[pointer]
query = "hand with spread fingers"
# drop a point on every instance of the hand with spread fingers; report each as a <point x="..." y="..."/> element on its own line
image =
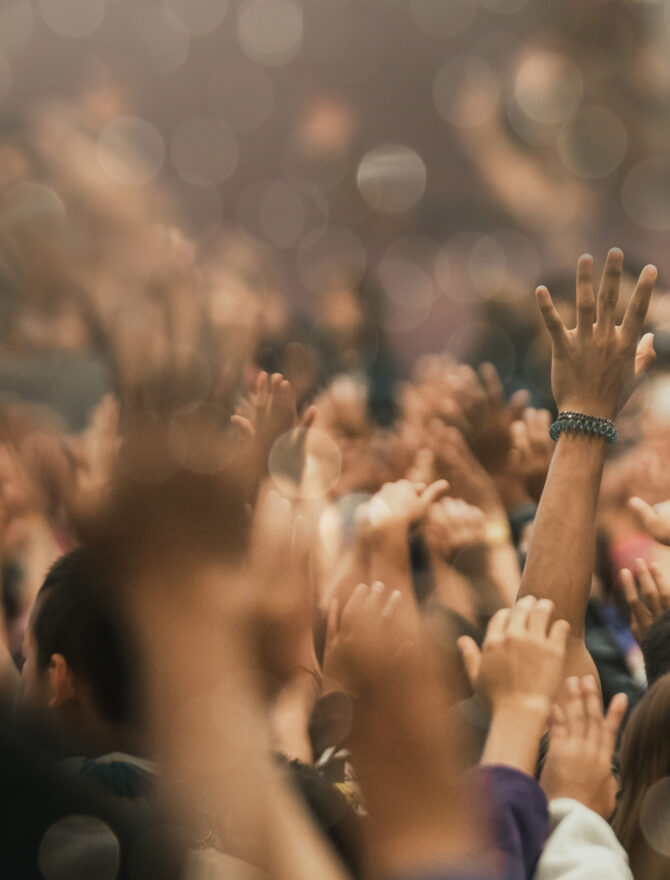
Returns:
<point x="647" y="592"/>
<point x="594" y="366"/>
<point x="532" y="449"/>
<point x="582" y="741"/>
<point x="396" y="507"/>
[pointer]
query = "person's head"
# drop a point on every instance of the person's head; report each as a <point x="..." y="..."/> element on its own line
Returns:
<point x="656" y="648"/>
<point x="644" y="761"/>
<point x="77" y="658"/>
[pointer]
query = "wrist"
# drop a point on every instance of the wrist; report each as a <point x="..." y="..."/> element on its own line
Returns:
<point x="596" y="408"/>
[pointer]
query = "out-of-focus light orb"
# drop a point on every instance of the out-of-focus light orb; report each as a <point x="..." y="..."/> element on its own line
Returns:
<point x="391" y="178"/>
<point x="305" y="468"/>
<point x="79" y="848"/>
<point x="163" y="46"/>
<point x="73" y="18"/>
<point x="594" y="143"/>
<point x="331" y="253"/>
<point x="547" y="87"/>
<point x="443" y="19"/>
<point x="196" y="16"/>
<point x="282" y="214"/>
<point x="504" y="7"/>
<point x="17" y="21"/>
<point x="270" y="31"/>
<point x="655" y="816"/>
<point x="204" y="151"/>
<point x="409" y="292"/>
<point x="466" y="91"/>
<point x="242" y="95"/>
<point x="32" y="204"/>
<point x="646" y="193"/>
<point x="130" y="150"/>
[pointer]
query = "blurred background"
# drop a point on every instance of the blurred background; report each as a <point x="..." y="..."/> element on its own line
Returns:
<point x="370" y="180"/>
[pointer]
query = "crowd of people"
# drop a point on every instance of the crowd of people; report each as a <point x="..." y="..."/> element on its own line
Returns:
<point x="271" y="609"/>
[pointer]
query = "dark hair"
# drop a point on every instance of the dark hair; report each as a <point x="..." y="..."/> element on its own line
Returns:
<point x="74" y="619"/>
<point x="656" y="648"/>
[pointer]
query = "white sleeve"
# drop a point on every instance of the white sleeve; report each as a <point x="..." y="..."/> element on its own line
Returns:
<point x="581" y="846"/>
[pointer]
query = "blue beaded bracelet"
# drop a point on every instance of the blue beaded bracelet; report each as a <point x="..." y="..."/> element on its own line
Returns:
<point x="581" y="423"/>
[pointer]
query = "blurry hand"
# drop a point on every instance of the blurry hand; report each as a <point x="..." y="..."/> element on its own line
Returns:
<point x="521" y="662"/>
<point x="452" y="524"/>
<point x="579" y="761"/>
<point x="654" y="520"/>
<point x="532" y="449"/>
<point x="396" y="507"/>
<point x="594" y="366"/>
<point x="647" y="592"/>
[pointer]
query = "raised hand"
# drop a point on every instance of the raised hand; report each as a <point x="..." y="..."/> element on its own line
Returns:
<point x="654" y="520"/>
<point x="396" y="507"/>
<point x="532" y="449"/>
<point x="521" y="662"/>
<point x="647" y="592"/>
<point x="579" y="761"/>
<point x="595" y="365"/>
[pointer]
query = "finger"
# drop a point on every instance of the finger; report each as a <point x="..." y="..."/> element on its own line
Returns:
<point x="540" y="617"/>
<point x="433" y="492"/>
<point x="608" y="293"/>
<point x="615" y="715"/>
<point x="518" y="403"/>
<point x="558" y="726"/>
<point x="244" y="425"/>
<point x="644" y="355"/>
<point x="552" y="320"/>
<point x="391" y="605"/>
<point x="649" y="519"/>
<point x="374" y="599"/>
<point x="308" y="417"/>
<point x="498" y="623"/>
<point x="520" y="614"/>
<point x="648" y="588"/>
<point x="353" y="607"/>
<point x="573" y="707"/>
<point x="332" y="622"/>
<point x="472" y="658"/>
<point x="633" y="320"/>
<point x="586" y="302"/>
<point x="662" y="584"/>
<point x="492" y="384"/>
<point x="558" y="634"/>
<point x="593" y="711"/>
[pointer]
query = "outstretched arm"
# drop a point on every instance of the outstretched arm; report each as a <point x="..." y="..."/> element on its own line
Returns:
<point x="594" y="368"/>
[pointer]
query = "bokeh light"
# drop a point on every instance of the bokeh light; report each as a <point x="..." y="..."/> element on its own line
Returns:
<point x="204" y="151"/>
<point x="79" y="848"/>
<point x="73" y="18"/>
<point x="655" y="816"/>
<point x="131" y="150"/>
<point x="270" y="31"/>
<point x="196" y="16"/>
<point x="391" y="178"/>
<point x="547" y="87"/>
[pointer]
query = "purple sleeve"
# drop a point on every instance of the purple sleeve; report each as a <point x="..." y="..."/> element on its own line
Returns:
<point x="520" y="815"/>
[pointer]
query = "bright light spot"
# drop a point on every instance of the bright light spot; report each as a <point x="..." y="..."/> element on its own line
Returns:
<point x="391" y="178"/>
<point x="594" y="143"/>
<point x="270" y="31"/>
<point x="163" y="46"/>
<point x="79" y="848"/>
<point x="204" y="151"/>
<point x="73" y="18"/>
<point x="547" y="87"/>
<point x="466" y="91"/>
<point x="655" y="816"/>
<point x="131" y="150"/>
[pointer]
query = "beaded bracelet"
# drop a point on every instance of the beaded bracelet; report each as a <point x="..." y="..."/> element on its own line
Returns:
<point x="574" y="421"/>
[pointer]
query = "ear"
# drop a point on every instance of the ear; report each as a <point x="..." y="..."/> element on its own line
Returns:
<point x="61" y="682"/>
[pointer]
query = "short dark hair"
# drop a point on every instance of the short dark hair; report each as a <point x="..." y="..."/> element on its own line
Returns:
<point x="656" y="648"/>
<point x="74" y="618"/>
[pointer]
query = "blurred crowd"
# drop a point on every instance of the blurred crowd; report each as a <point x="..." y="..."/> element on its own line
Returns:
<point x="273" y="606"/>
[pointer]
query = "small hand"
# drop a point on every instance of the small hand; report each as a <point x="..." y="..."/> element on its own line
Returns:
<point x="579" y="761"/>
<point x="451" y="524"/>
<point x="647" y="592"/>
<point x="396" y="507"/>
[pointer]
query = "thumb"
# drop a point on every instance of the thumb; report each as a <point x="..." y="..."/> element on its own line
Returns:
<point x="472" y="658"/>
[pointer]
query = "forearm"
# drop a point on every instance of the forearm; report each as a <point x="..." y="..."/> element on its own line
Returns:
<point x="561" y="555"/>
<point x="514" y="736"/>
